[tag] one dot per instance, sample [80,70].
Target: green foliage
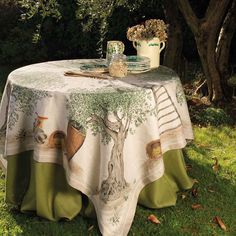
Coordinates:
[114,17]
[96,20]
[60,39]
[213,116]
[44,9]
[68,29]
[95,109]
[232,81]
[16,38]
[4,71]
[19,48]
[8,2]
[49,8]
[103,9]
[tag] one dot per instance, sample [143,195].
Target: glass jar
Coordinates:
[118,65]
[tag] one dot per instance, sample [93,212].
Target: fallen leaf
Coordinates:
[196,206]
[183,196]
[202,145]
[218,221]
[188,167]
[215,166]
[210,190]
[194,192]
[153,219]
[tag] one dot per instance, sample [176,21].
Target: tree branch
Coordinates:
[211,7]
[174,45]
[189,15]
[126,126]
[223,46]
[100,121]
[199,87]
[117,116]
[227,30]
[104,109]
[215,11]
[110,125]
[126,129]
[114,126]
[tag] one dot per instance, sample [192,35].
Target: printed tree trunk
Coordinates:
[109,114]
[207,32]
[113,186]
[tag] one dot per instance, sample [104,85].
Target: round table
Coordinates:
[115,141]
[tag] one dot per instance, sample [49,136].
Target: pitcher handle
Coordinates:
[135,44]
[122,47]
[162,46]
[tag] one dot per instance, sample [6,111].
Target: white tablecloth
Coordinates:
[109,135]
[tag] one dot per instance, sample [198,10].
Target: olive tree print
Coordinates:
[24,100]
[113,114]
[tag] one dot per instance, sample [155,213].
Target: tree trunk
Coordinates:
[217,93]
[223,46]
[173,51]
[206,32]
[115,184]
[202,51]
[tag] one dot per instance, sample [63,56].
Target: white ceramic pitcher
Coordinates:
[150,48]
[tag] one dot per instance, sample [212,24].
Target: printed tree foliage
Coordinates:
[25,100]
[113,115]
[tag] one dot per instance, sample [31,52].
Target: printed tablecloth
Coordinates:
[109,135]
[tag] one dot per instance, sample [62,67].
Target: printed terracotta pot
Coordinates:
[75,139]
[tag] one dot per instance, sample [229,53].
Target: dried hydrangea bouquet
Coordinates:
[149,39]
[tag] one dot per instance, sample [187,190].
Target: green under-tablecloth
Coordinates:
[42,187]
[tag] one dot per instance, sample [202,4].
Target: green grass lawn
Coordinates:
[216,192]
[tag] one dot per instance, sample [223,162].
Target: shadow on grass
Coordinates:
[31,224]
[215,194]
[200,150]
